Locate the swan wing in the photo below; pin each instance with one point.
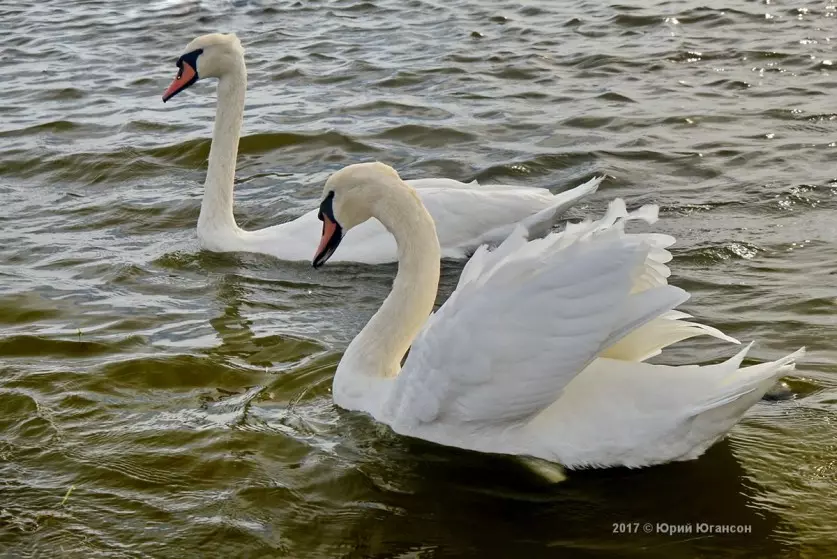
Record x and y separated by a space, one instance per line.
467 217
524 320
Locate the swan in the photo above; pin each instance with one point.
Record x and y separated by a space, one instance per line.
540 351
466 215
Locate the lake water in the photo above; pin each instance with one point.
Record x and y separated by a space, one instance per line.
161 401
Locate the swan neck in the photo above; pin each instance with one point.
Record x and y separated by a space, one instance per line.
378 349
217 206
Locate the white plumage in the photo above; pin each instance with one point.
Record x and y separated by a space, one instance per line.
466 215
540 349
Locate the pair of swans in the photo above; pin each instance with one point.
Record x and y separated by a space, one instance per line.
541 350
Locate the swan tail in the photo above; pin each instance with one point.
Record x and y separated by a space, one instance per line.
747 383
736 392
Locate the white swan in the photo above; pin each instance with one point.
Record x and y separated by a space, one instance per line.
540 350
466 215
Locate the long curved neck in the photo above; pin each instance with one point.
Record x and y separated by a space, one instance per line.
377 351
217 206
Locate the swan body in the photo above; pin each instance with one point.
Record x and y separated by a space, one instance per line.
541 350
466 215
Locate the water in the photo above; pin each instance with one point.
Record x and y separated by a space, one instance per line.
183 396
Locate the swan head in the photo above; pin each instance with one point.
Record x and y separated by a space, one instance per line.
208 56
350 197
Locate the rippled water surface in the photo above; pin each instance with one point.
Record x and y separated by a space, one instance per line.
161 401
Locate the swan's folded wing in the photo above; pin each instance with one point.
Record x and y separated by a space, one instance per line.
524 320
463 215
468 217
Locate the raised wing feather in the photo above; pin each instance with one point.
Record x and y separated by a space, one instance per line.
524 320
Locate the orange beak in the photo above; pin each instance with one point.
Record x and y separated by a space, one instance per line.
332 235
329 227
185 77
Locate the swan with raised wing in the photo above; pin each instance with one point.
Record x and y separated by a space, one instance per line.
466 215
540 351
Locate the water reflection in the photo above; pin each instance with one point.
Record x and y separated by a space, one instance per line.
396 495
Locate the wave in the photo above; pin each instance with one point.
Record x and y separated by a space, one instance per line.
130 163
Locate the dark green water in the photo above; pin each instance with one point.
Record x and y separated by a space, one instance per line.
184 396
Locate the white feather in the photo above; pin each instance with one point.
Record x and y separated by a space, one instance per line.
466 214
